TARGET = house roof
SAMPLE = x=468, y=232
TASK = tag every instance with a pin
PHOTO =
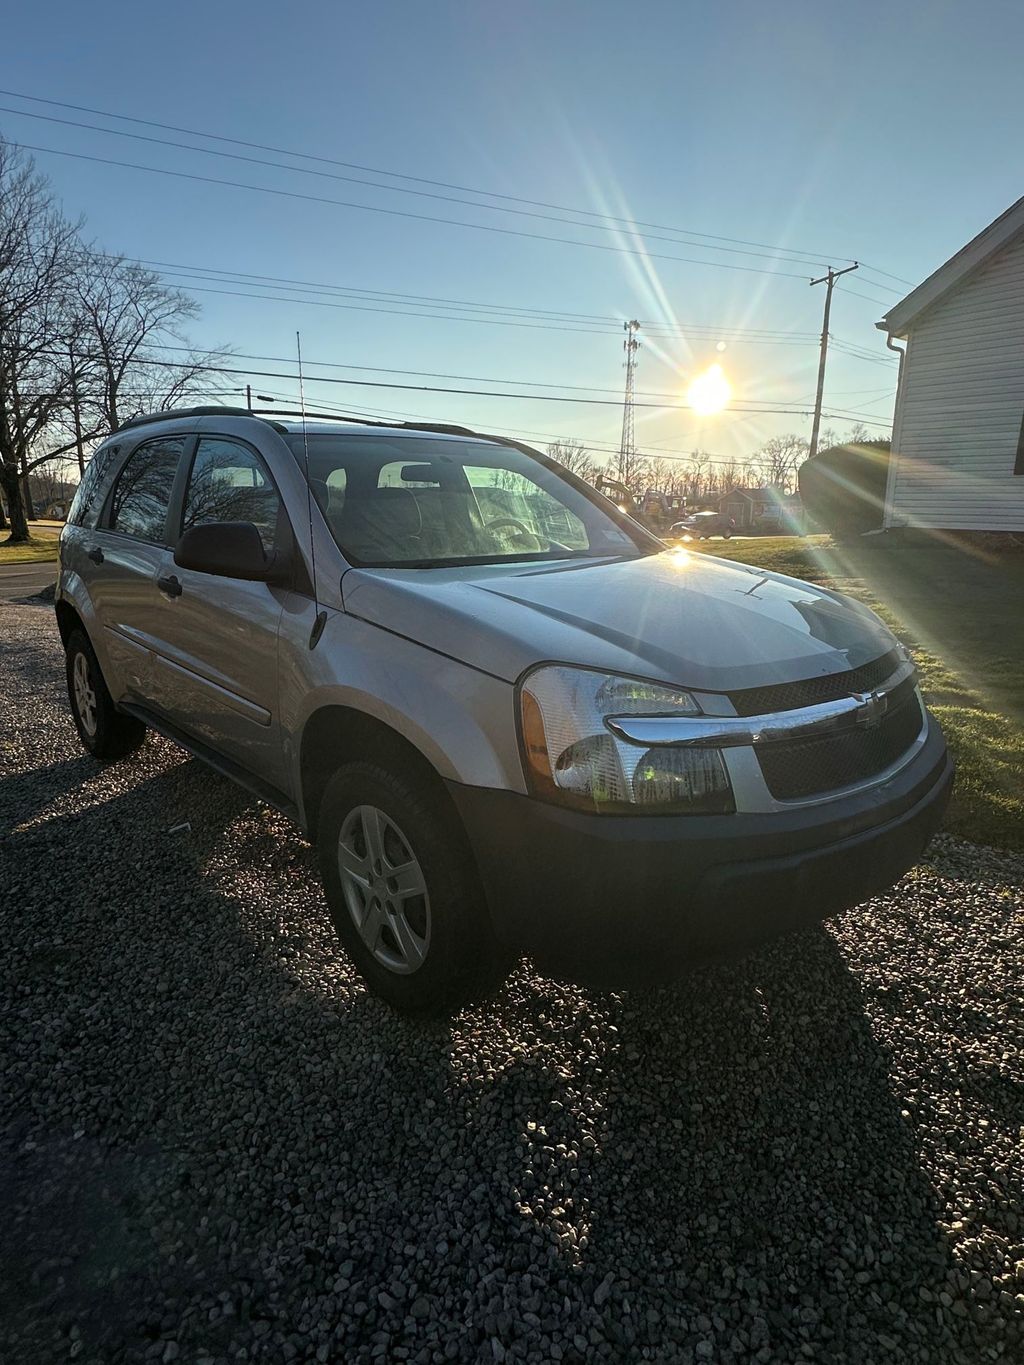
x=1006, y=229
x=764, y=491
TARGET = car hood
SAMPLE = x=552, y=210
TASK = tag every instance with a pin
x=692, y=619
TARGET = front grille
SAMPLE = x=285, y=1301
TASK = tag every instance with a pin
x=762, y=701
x=806, y=767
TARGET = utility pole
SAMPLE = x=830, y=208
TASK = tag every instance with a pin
x=627, y=446
x=829, y=280
x=248, y=396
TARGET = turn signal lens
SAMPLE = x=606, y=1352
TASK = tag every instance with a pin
x=534, y=739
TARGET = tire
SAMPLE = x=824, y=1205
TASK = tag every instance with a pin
x=104, y=731
x=433, y=949
x=727, y=535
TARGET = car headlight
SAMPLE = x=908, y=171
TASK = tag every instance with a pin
x=573, y=758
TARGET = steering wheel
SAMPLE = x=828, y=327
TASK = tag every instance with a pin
x=521, y=533
x=516, y=525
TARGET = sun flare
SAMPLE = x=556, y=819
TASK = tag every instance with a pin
x=709, y=392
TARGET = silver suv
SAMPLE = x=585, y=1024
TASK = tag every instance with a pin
x=512, y=720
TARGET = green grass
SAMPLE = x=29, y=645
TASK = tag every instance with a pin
x=961, y=611
x=37, y=550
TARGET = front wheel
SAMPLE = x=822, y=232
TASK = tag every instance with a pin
x=104, y=730
x=403, y=891
x=727, y=535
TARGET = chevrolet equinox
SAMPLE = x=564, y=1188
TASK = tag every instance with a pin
x=510, y=718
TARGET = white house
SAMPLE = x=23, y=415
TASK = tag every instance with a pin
x=958, y=432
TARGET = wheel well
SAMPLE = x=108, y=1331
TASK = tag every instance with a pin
x=340, y=734
x=68, y=620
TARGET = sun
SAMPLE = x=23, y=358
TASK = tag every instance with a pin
x=709, y=392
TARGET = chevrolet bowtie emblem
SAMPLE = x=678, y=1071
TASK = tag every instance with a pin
x=872, y=708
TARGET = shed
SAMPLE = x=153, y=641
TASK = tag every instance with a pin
x=958, y=434
x=763, y=509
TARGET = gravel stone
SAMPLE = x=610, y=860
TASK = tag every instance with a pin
x=216, y=1146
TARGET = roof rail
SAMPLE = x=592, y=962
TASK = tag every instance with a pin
x=268, y=414
x=438, y=428
x=209, y=410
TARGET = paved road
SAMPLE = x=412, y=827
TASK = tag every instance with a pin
x=216, y=1147
x=18, y=581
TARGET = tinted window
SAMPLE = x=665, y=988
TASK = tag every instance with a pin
x=89, y=498
x=430, y=501
x=142, y=493
x=228, y=483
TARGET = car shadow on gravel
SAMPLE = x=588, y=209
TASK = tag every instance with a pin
x=215, y=1139
x=27, y=794
x=736, y=1160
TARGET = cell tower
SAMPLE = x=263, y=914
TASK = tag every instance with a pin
x=627, y=446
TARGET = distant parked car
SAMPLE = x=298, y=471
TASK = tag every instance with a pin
x=703, y=525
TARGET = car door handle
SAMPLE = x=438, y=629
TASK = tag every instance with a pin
x=95, y=554
x=170, y=585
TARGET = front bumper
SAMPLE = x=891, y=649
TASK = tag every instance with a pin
x=621, y=900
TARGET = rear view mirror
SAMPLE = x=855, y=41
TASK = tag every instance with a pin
x=230, y=549
x=419, y=473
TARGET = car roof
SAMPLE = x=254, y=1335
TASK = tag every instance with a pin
x=294, y=423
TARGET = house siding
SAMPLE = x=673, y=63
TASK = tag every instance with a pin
x=960, y=407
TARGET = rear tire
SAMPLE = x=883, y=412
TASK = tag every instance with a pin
x=104, y=731
x=403, y=891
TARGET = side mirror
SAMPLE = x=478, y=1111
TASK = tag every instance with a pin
x=230, y=549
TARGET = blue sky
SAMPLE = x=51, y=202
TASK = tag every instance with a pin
x=889, y=133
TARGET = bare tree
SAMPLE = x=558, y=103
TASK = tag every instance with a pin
x=634, y=473
x=777, y=460
x=728, y=478
x=575, y=457
x=38, y=248
x=50, y=482
x=127, y=314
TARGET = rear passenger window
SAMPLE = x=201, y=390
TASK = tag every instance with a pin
x=228, y=483
x=142, y=493
x=88, y=500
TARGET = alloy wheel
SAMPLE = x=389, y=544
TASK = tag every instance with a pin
x=85, y=695
x=385, y=889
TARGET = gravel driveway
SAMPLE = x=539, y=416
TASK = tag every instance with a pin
x=217, y=1147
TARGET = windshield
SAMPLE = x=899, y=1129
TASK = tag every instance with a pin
x=425, y=502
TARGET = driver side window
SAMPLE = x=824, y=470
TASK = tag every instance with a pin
x=228, y=482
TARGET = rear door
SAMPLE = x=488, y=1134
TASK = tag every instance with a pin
x=127, y=551
x=216, y=662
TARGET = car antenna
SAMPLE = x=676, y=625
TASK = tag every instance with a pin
x=321, y=616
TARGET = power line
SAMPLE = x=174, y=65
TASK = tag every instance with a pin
x=887, y=273
x=662, y=333
x=864, y=355
x=471, y=393
x=398, y=189
x=795, y=408
x=246, y=276
x=217, y=275
x=455, y=317
x=403, y=213
x=882, y=303
x=631, y=223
